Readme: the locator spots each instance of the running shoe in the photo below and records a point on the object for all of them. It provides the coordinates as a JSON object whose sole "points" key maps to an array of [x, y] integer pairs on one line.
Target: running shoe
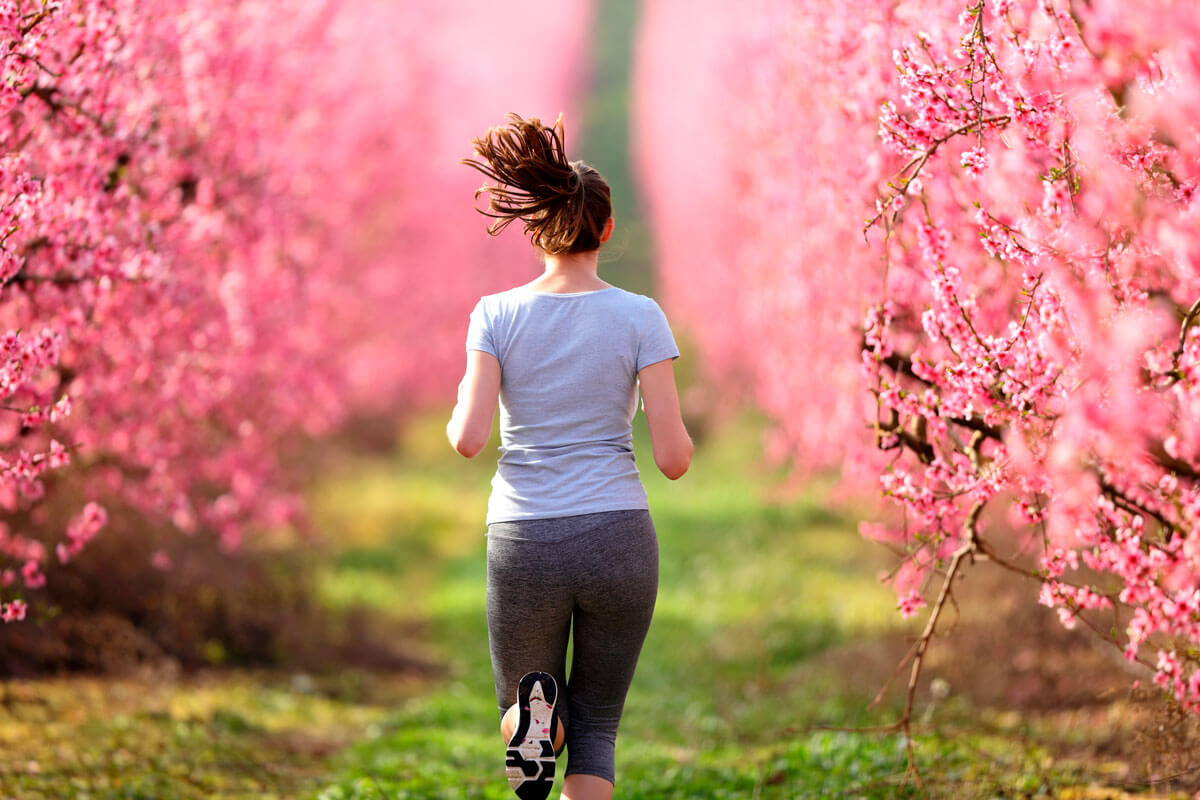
{"points": [[530, 757]]}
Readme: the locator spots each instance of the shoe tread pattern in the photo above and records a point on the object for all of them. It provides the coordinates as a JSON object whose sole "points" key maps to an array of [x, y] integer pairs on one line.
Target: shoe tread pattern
{"points": [[529, 760]]}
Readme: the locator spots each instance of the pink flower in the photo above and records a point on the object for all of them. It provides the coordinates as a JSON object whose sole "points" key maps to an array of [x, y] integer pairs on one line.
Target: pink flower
{"points": [[32, 574], [976, 160], [13, 611], [910, 604], [59, 457]]}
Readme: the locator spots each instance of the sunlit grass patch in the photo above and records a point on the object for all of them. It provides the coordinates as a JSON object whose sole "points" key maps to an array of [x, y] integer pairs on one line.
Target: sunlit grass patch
{"points": [[770, 627], [749, 589], [215, 736], [393, 522]]}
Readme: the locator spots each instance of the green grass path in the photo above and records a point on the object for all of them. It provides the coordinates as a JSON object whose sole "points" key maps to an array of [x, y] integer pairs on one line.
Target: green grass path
{"points": [[724, 693], [769, 626]]}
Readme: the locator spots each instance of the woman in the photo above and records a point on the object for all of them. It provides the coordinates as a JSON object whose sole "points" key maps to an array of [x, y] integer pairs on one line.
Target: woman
{"points": [[570, 540]]}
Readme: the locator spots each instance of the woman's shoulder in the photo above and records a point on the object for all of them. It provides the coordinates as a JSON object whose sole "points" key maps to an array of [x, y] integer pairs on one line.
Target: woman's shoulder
{"points": [[631, 300], [641, 305], [523, 299], [500, 300]]}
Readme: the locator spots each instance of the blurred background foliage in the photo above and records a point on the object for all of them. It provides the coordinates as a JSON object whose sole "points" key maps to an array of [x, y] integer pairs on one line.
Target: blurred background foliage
{"points": [[628, 260]]}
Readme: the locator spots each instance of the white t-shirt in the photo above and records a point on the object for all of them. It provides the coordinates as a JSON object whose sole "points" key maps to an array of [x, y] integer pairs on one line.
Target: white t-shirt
{"points": [[568, 393]]}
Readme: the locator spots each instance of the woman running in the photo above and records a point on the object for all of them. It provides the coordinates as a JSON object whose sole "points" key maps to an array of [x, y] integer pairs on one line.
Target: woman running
{"points": [[570, 542]]}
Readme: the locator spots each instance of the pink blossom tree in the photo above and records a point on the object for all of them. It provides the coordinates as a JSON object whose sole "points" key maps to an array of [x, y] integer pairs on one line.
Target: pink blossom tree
{"points": [[227, 225], [957, 252]]}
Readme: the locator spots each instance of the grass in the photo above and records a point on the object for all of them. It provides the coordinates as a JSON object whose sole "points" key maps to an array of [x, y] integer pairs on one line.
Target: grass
{"points": [[748, 592], [228, 735], [770, 630], [763, 611]]}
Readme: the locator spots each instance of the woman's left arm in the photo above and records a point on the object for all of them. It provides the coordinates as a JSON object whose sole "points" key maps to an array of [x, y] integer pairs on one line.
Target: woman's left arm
{"points": [[470, 425]]}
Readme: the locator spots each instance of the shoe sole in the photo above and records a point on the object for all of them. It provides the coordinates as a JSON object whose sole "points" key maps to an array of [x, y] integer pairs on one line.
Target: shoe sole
{"points": [[529, 761]]}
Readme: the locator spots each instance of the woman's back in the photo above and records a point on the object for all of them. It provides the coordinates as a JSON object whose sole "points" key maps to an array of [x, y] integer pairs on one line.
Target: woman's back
{"points": [[568, 394]]}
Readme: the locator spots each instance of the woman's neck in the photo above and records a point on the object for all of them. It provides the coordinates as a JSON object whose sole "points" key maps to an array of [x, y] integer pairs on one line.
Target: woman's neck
{"points": [[569, 272]]}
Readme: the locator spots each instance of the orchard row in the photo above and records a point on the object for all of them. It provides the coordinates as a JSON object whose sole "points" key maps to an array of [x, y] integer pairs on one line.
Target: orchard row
{"points": [[226, 227], [953, 247]]}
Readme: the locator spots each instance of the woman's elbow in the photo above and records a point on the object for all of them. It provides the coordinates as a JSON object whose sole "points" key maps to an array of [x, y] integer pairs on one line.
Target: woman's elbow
{"points": [[675, 464], [674, 471], [466, 443], [469, 446]]}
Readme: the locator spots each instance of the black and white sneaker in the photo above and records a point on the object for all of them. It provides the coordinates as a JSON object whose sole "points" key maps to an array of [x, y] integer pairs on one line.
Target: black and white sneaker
{"points": [[530, 756]]}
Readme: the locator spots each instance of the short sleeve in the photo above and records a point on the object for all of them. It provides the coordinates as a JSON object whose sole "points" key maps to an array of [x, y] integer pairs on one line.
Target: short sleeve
{"points": [[479, 332], [655, 343]]}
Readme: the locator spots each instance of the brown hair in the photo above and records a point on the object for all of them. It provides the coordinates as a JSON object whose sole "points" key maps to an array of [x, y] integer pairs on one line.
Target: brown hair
{"points": [[564, 204]]}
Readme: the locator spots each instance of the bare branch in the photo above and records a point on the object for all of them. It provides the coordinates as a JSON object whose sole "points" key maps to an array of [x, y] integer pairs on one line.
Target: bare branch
{"points": [[965, 551], [922, 448], [34, 21], [1181, 468], [1128, 504]]}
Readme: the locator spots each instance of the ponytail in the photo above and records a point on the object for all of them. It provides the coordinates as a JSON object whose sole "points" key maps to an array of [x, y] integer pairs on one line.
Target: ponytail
{"points": [[563, 204]]}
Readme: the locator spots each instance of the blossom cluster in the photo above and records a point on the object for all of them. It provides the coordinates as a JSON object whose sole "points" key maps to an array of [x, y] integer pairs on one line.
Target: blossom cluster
{"points": [[226, 227], [955, 253]]}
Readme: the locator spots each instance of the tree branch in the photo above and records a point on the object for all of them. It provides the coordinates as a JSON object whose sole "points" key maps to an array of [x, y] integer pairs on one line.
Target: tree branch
{"points": [[903, 365], [965, 551], [34, 21], [914, 166], [922, 448], [1181, 468], [1128, 504], [1188, 319]]}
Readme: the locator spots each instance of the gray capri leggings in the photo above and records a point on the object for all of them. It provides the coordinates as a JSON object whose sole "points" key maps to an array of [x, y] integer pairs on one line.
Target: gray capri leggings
{"points": [[597, 572]]}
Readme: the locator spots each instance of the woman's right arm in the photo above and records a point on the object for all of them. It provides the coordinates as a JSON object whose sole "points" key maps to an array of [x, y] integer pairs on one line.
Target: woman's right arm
{"points": [[470, 424], [668, 437]]}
